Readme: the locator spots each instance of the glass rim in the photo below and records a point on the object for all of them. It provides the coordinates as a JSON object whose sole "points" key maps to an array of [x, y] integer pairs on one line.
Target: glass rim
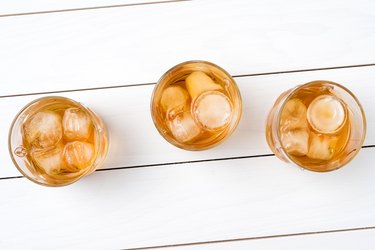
{"points": [[10, 133], [287, 98]]}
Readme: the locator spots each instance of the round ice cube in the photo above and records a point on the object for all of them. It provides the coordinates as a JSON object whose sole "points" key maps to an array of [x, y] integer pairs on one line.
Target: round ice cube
{"points": [[43, 129], [212, 110], [326, 114]]}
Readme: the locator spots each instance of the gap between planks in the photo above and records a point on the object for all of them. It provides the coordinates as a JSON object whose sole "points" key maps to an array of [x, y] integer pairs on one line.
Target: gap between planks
{"points": [[234, 76], [256, 238], [176, 163], [92, 8]]}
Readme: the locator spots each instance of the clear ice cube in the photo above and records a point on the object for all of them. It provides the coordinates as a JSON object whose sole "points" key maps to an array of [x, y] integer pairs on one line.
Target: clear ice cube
{"points": [[295, 142], [212, 110], [183, 127], [174, 98], [50, 160], [326, 114], [76, 124], [78, 155], [321, 146], [293, 115], [199, 82], [43, 129]]}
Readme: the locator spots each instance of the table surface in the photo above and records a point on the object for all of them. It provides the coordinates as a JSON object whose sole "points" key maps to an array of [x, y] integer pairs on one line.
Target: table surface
{"points": [[150, 194]]}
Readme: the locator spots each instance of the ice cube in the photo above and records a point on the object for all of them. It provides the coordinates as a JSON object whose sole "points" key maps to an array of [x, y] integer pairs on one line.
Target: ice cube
{"points": [[212, 110], [76, 124], [198, 82], [322, 147], [78, 155], [293, 115], [43, 129], [173, 98], [50, 160], [183, 127], [326, 114], [295, 142]]}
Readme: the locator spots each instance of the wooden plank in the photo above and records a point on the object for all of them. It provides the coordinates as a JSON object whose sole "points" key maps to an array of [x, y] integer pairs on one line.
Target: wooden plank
{"points": [[187, 203], [359, 239], [121, 46], [135, 141], [22, 7]]}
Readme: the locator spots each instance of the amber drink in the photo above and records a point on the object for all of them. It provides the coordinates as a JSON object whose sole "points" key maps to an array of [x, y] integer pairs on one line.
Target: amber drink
{"points": [[196, 105], [54, 141], [319, 126]]}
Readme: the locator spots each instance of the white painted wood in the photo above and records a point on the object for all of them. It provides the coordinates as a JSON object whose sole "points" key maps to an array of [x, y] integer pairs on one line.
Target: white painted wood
{"points": [[130, 45], [191, 202], [364, 239], [24, 6], [186, 203], [135, 141]]}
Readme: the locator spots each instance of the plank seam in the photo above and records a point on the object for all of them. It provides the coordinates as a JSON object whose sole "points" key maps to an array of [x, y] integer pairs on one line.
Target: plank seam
{"points": [[256, 238], [92, 8], [175, 163], [187, 162], [153, 83], [307, 70]]}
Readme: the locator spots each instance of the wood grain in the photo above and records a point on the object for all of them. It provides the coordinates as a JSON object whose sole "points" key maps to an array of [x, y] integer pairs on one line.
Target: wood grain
{"points": [[121, 46], [134, 140], [187, 203]]}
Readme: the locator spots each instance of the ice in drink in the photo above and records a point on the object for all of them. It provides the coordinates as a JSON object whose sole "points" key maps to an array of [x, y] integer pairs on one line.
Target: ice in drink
{"points": [[319, 126], [196, 105], [54, 141]]}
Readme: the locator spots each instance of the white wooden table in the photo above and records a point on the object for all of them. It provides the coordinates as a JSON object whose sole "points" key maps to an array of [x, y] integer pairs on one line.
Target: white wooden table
{"points": [[150, 194]]}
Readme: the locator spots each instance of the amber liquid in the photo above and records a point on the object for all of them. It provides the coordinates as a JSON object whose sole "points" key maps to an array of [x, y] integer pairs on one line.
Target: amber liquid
{"points": [[65, 174], [206, 138], [340, 146]]}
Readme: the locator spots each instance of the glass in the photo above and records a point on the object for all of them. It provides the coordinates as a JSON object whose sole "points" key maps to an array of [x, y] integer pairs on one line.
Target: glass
{"points": [[196, 105], [54, 141], [319, 126]]}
